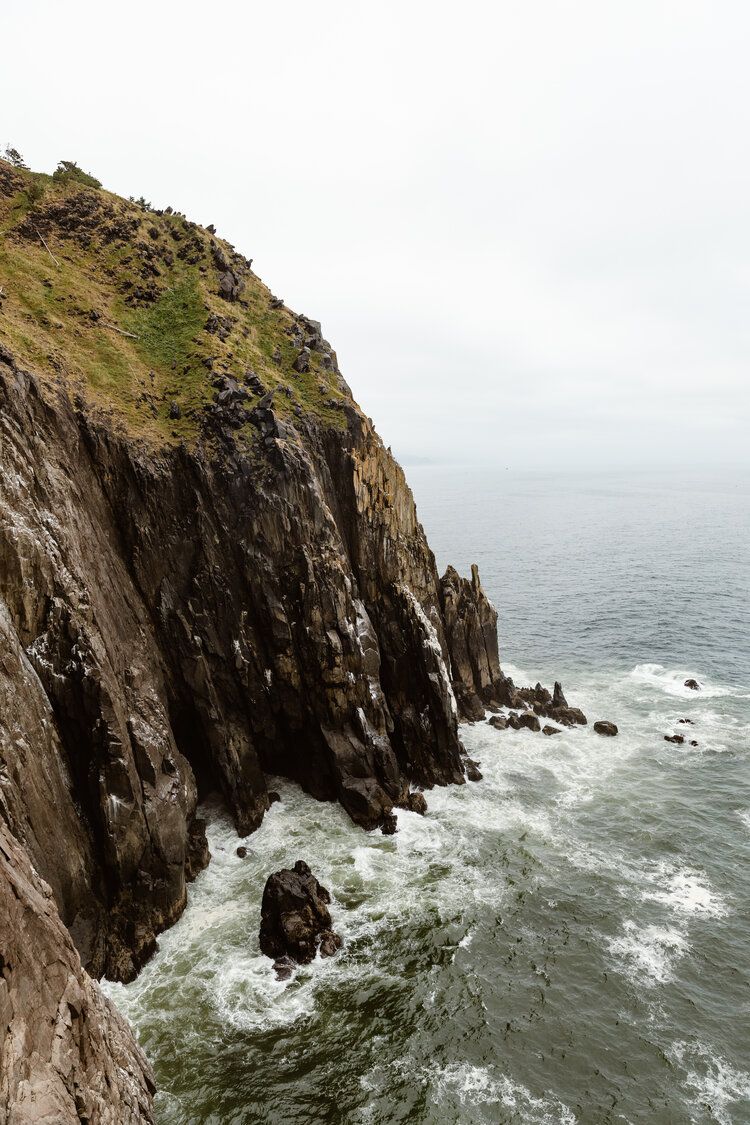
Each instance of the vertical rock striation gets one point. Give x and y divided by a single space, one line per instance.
66 1056
471 631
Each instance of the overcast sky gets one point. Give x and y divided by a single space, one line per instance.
524 225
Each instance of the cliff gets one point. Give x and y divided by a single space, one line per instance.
211 570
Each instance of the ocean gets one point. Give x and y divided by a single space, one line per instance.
566 941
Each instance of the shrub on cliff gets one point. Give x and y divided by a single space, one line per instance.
13 156
67 171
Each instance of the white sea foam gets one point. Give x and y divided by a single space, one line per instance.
720 1087
474 1086
685 891
648 954
671 681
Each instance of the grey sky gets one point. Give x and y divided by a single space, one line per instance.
524 225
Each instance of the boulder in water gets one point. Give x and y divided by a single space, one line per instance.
676 738
473 772
603 726
529 720
693 685
690 721
242 851
295 920
547 729
499 722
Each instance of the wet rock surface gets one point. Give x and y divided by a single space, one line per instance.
603 726
295 920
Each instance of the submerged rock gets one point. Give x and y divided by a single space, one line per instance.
603 726
295 920
690 721
547 729
241 851
693 685
676 738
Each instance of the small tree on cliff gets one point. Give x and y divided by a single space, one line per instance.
68 170
13 156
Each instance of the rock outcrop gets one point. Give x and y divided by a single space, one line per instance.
471 634
176 622
603 726
295 919
66 1054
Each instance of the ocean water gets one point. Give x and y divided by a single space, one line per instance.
567 940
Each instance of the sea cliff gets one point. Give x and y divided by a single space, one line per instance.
211 570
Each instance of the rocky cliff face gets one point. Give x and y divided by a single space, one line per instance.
66 1053
207 575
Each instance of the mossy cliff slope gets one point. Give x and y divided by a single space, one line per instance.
211 570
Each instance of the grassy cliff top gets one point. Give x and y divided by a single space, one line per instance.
145 314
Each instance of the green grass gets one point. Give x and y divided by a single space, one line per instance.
167 329
69 317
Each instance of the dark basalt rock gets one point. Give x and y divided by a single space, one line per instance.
676 738
558 699
471 636
241 851
414 801
547 729
230 286
527 720
690 721
273 797
198 855
302 361
389 824
603 726
693 742
295 920
692 684
473 772
499 722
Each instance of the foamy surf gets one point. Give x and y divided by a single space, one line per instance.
489 921
671 681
